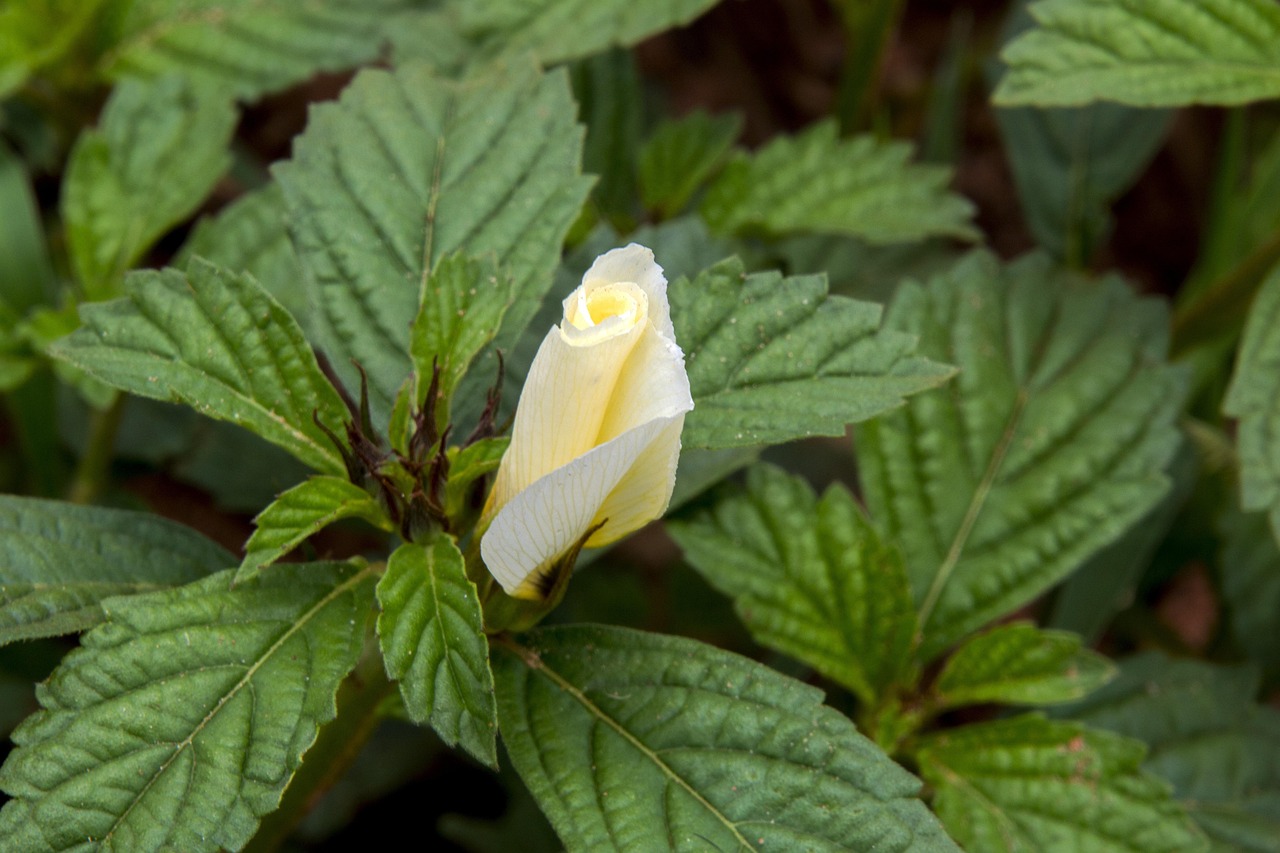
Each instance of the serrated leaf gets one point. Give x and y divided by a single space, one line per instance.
1050 443
489 165
611 104
1254 398
680 155
770 360
810 577
219 343
815 181
1220 751
1027 783
245 47
304 510
177 724
159 149
635 741
1249 569
58 561
556 30
466 466
1145 53
1019 664
434 644
462 308
249 235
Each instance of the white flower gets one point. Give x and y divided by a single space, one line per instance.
596 435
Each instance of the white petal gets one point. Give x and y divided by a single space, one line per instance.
635 263
652 384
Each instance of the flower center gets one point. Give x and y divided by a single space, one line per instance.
594 313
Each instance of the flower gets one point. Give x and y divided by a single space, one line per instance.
596 435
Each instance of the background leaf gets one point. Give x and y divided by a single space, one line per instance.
815 181
1049 444
26 277
240 357
611 104
809 577
177 724
771 360
1145 53
159 149
58 561
489 166
631 741
1249 569
680 155
434 644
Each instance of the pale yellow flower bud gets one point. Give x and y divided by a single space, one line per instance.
596 435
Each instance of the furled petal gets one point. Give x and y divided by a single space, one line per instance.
635 263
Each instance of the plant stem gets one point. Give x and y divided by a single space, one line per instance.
868 25
91 474
1220 309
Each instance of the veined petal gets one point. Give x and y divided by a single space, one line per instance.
635 263
545 519
652 384
643 494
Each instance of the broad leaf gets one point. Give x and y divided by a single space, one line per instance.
815 181
59 561
1027 783
177 724
556 30
1249 569
218 342
634 741
159 149
809 577
1050 443
1019 664
680 155
771 360
406 168
304 510
1152 53
434 644
1254 398
1220 751
611 104
245 47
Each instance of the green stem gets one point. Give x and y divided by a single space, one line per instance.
1221 308
868 24
91 474
339 742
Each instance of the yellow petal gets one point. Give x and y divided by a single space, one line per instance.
635 263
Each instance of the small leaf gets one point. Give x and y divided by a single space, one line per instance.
771 360
634 741
218 342
159 149
1167 53
1254 398
1051 442
434 644
1019 664
405 168
809 577
58 561
680 155
1027 783
466 465
462 309
178 724
815 181
299 513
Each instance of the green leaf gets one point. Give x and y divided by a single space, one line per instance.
406 168
35 34
815 181
1019 664
771 360
466 466
301 512
611 105
26 276
556 30
245 47
1027 783
177 724
635 741
219 343
249 235
1254 398
680 155
1220 751
1145 53
59 561
462 309
1249 568
810 578
434 644
1051 442
159 150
